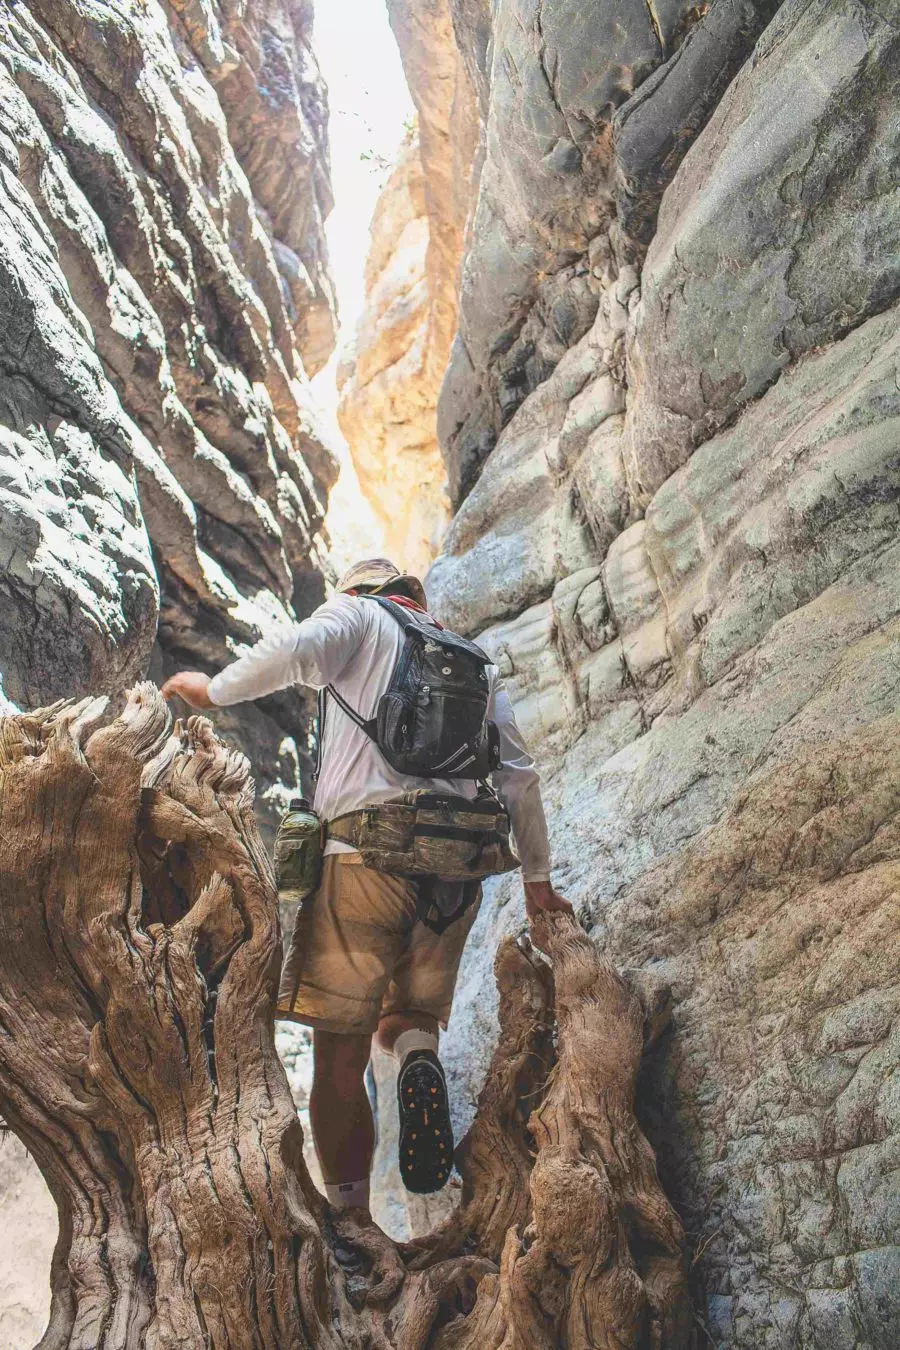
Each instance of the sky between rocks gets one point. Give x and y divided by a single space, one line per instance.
369 104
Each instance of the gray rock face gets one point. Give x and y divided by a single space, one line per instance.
164 294
654 129
552 75
682 553
738 284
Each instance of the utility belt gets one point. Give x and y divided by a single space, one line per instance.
445 844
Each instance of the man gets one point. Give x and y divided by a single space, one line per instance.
361 963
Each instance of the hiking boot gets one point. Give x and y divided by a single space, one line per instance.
426 1137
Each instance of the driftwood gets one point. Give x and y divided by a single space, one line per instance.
139 956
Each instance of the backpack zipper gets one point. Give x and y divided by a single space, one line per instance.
445 763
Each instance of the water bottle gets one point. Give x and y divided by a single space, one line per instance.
298 851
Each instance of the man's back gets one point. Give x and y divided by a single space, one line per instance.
353 643
354 772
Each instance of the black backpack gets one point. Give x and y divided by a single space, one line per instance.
432 720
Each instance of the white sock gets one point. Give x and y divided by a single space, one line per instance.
415 1039
349 1194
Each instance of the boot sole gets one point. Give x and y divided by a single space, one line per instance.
426 1136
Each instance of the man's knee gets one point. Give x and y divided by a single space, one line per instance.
340 1061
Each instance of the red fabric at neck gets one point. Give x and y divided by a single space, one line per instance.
405 601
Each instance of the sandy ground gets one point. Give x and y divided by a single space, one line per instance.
27 1234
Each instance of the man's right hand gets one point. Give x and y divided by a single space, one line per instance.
190 685
541 898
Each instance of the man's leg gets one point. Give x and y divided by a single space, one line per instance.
345 945
394 1025
417 1002
426 1137
341 1117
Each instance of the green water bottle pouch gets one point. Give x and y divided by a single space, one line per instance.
298 852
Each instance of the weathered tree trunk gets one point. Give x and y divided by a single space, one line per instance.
139 956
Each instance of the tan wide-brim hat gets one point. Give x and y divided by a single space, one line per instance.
380 574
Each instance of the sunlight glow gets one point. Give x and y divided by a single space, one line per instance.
370 106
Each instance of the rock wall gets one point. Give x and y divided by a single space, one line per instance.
390 376
670 422
164 296
387 398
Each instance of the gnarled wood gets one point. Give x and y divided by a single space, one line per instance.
139 957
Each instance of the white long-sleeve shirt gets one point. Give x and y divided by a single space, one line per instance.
354 644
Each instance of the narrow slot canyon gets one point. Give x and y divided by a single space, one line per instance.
586 311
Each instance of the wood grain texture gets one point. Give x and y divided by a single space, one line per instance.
139 958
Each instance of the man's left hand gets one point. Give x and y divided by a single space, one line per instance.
541 898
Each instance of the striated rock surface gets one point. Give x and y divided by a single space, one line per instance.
387 394
556 78
677 534
164 294
738 284
390 377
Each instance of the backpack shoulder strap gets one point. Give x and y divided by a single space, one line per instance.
320 731
411 622
408 619
369 726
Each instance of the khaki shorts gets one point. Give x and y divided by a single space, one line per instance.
358 952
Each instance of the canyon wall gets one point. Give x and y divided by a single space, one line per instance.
387 393
671 425
165 296
390 377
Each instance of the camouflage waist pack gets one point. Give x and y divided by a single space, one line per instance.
431 834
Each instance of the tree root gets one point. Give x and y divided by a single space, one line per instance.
139 962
